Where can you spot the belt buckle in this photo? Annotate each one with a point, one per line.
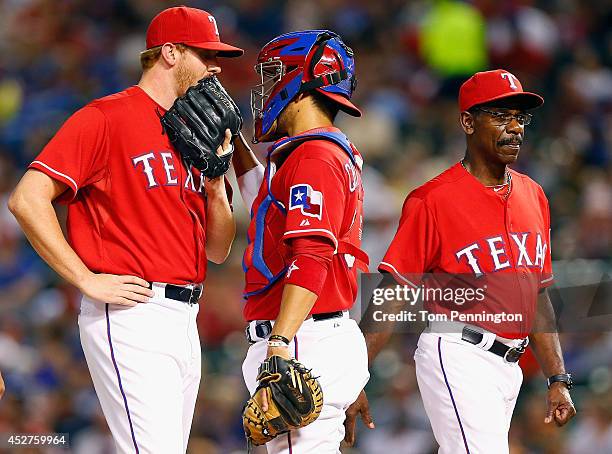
(514, 354)
(261, 329)
(247, 334)
(193, 289)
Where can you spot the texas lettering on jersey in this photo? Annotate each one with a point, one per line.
(500, 255)
(149, 162)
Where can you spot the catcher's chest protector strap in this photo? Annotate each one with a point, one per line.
(253, 260)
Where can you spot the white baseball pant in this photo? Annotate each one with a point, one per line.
(145, 363)
(335, 349)
(469, 394)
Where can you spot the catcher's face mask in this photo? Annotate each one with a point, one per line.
(270, 74)
(299, 62)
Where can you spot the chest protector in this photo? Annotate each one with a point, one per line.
(265, 258)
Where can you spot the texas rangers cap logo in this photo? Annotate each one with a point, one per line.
(309, 201)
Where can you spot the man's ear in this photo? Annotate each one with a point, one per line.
(301, 96)
(169, 53)
(467, 122)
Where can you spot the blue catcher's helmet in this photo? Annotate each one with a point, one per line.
(297, 62)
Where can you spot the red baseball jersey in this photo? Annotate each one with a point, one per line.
(322, 192)
(133, 206)
(454, 225)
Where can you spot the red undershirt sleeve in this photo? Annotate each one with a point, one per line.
(310, 260)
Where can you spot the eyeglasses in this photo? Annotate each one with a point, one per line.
(503, 118)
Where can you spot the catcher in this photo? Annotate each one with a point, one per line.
(146, 209)
(304, 247)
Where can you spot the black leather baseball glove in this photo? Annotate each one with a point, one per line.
(294, 396)
(196, 125)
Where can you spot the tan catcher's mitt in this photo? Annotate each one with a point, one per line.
(295, 399)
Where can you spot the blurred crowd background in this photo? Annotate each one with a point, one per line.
(411, 57)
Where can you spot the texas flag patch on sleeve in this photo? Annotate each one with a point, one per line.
(309, 201)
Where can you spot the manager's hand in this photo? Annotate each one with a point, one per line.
(560, 406)
(360, 407)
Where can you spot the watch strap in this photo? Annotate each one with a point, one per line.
(563, 378)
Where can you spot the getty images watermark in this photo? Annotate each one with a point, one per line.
(501, 302)
(410, 302)
(412, 296)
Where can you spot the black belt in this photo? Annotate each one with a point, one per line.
(184, 294)
(327, 316)
(510, 354)
(263, 328)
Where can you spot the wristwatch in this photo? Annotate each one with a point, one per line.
(563, 378)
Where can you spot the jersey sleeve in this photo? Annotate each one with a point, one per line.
(547, 278)
(77, 155)
(415, 247)
(315, 199)
(249, 184)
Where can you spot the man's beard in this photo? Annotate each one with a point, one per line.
(184, 78)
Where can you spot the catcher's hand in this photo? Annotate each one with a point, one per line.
(196, 125)
(294, 399)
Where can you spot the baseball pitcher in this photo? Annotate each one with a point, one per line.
(147, 207)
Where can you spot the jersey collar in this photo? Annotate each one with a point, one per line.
(463, 173)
